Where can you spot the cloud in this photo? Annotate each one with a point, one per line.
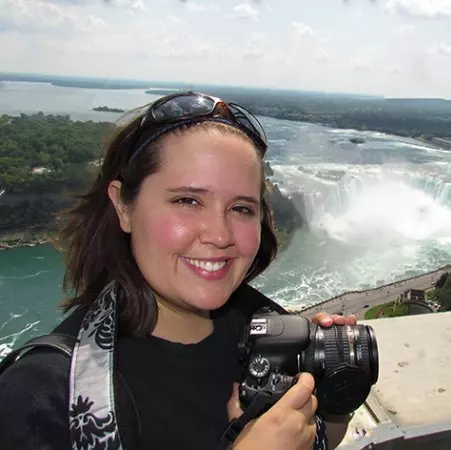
(195, 7)
(359, 65)
(427, 9)
(134, 5)
(440, 49)
(41, 17)
(245, 11)
(404, 29)
(255, 48)
(184, 46)
(302, 29)
(30, 16)
(90, 22)
(172, 20)
(68, 2)
(394, 70)
(301, 51)
(144, 43)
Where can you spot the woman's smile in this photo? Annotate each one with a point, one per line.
(208, 269)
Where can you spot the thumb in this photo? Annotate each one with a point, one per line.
(297, 396)
(233, 405)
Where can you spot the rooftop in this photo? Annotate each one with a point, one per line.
(410, 405)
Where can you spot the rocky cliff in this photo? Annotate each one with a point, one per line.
(289, 213)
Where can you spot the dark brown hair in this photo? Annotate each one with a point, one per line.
(98, 251)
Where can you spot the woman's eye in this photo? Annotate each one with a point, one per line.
(186, 201)
(245, 210)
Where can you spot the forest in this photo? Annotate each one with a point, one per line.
(43, 158)
(44, 153)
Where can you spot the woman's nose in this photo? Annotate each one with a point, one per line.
(217, 230)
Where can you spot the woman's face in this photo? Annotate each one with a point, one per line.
(195, 226)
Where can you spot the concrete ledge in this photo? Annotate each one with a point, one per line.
(410, 405)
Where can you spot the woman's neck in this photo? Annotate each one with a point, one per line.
(176, 324)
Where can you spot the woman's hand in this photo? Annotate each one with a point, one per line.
(288, 425)
(327, 320)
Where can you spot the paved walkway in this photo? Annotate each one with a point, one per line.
(359, 302)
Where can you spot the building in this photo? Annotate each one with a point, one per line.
(417, 295)
(40, 170)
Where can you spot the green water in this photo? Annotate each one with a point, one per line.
(30, 290)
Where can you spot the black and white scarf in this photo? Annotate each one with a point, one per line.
(92, 415)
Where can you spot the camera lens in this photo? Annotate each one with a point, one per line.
(344, 362)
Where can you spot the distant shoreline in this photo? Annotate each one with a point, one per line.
(108, 109)
(405, 117)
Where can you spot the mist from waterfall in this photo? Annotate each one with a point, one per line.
(385, 208)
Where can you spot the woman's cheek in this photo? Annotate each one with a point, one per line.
(248, 237)
(170, 231)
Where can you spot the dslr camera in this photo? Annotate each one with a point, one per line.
(275, 348)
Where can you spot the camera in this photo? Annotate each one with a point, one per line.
(275, 348)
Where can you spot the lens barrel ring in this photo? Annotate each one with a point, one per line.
(336, 347)
(362, 351)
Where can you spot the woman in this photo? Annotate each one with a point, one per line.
(159, 254)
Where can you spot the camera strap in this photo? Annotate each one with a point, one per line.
(258, 406)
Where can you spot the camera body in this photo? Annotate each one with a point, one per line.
(275, 348)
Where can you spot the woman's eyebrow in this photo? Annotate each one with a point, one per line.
(248, 199)
(198, 190)
(192, 189)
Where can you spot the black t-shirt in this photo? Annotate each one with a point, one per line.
(169, 396)
(182, 403)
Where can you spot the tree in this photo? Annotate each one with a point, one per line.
(444, 294)
(442, 281)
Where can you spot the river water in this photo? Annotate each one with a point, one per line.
(377, 212)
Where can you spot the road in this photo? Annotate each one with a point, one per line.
(359, 302)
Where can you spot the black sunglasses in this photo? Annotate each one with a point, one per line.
(176, 110)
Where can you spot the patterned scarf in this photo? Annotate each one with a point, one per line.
(92, 415)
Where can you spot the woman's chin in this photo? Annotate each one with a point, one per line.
(209, 303)
(208, 297)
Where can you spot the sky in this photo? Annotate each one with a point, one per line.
(394, 48)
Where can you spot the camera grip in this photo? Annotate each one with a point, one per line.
(274, 386)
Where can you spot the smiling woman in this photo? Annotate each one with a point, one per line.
(207, 195)
(159, 253)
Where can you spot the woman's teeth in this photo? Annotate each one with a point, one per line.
(207, 265)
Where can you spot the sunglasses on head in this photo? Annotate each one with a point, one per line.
(176, 110)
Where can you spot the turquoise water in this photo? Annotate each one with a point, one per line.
(30, 289)
(377, 212)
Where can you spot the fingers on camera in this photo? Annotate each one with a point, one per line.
(322, 318)
(338, 319)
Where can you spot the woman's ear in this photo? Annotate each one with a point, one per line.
(122, 210)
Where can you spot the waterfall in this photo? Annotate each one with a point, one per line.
(385, 207)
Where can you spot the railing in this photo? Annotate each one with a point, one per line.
(410, 405)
